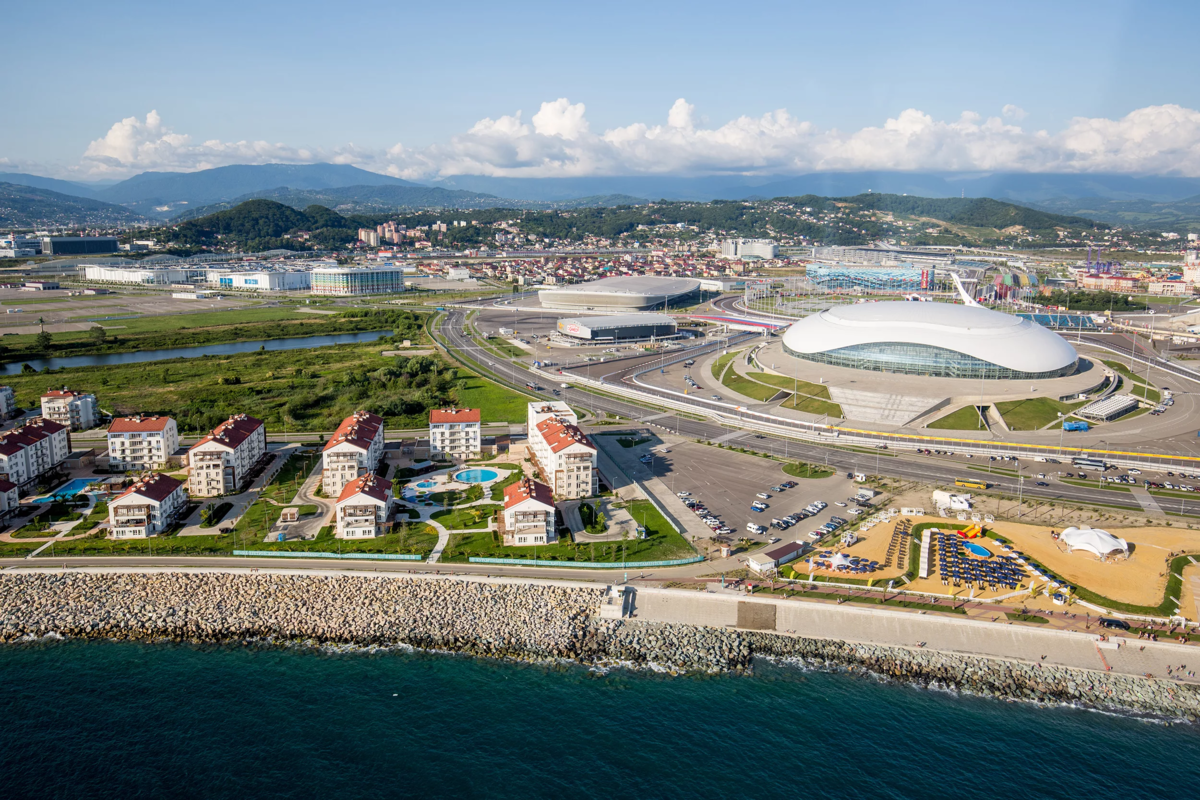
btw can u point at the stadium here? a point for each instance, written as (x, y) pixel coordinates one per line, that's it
(931, 339)
(625, 293)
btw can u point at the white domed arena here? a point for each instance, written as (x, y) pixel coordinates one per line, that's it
(932, 339)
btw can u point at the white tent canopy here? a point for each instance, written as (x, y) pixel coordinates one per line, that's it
(1094, 540)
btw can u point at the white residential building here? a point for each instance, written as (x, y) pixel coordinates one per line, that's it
(566, 457)
(76, 410)
(544, 409)
(528, 517)
(355, 448)
(10, 497)
(141, 443)
(33, 451)
(147, 508)
(222, 461)
(363, 507)
(749, 249)
(8, 402)
(455, 433)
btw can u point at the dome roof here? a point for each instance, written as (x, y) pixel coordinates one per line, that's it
(1012, 342)
(1094, 540)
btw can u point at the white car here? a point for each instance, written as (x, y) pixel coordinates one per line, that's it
(773, 539)
(840, 505)
(763, 496)
(683, 494)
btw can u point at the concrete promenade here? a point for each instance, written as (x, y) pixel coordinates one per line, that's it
(847, 623)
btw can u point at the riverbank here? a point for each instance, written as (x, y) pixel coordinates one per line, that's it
(514, 619)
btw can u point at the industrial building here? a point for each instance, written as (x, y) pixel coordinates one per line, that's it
(931, 339)
(749, 249)
(350, 281)
(147, 276)
(618, 327)
(78, 245)
(624, 293)
(260, 280)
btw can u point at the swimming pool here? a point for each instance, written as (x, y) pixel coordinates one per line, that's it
(476, 476)
(68, 490)
(976, 550)
(426, 484)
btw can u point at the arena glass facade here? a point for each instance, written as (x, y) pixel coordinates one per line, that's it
(918, 359)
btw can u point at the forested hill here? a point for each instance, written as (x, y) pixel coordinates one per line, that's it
(976, 212)
(33, 207)
(258, 225)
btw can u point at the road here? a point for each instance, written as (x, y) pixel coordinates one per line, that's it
(892, 463)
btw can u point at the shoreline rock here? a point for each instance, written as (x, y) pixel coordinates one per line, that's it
(526, 622)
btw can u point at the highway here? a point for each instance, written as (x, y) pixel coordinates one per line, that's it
(891, 463)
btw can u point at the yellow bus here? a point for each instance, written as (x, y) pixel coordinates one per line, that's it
(970, 483)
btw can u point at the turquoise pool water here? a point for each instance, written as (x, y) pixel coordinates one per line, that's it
(476, 476)
(426, 484)
(976, 550)
(69, 490)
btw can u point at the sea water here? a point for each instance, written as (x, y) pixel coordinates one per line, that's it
(120, 720)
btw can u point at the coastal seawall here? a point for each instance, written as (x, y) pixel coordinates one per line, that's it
(528, 621)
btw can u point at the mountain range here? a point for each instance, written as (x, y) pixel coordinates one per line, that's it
(1143, 201)
(33, 207)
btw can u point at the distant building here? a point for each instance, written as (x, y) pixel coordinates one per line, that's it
(455, 433)
(40, 286)
(147, 508)
(260, 281)
(78, 245)
(528, 517)
(368, 237)
(141, 443)
(458, 273)
(221, 462)
(351, 281)
(744, 249)
(13, 246)
(75, 410)
(566, 457)
(1109, 283)
(356, 447)
(146, 276)
(363, 506)
(618, 327)
(8, 402)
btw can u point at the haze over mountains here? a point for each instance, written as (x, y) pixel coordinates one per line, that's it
(1147, 201)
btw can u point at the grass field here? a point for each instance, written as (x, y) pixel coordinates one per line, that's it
(800, 469)
(965, 419)
(468, 517)
(495, 402)
(718, 367)
(783, 382)
(1034, 413)
(748, 388)
(1135, 384)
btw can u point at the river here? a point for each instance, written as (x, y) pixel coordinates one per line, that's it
(226, 349)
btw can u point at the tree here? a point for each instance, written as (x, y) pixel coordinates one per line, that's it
(43, 341)
(97, 335)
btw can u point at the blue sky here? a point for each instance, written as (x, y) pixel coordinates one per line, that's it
(352, 81)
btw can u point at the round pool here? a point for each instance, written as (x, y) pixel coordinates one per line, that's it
(476, 476)
(976, 550)
(426, 484)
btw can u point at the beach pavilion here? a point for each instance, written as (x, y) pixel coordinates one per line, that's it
(1101, 543)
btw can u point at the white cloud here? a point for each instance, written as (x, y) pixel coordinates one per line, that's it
(558, 142)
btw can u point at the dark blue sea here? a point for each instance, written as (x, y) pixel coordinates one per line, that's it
(115, 720)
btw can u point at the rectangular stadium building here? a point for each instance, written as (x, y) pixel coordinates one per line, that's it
(350, 281)
(618, 327)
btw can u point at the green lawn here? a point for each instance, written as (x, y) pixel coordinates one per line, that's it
(1137, 385)
(508, 480)
(718, 367)
(291, 476)
(812, 405)
(1034, 413)
(495, 402)
(791, 384)
(964, 419)
(629, 441)
(747, 387)
(467, 517)
(662, 543)
(218, 513)
(800, 469)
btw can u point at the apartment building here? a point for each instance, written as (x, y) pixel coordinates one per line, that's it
(528, 517)
(141, 443)
(147, 508)
(221, 462)
(363, 507)
(10, 498)
(32, 451)
(566, 457)
(76, 410)
(8, 402)
(545, 409)
(455, 433)
(356, 447)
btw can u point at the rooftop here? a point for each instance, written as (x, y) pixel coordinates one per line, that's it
(454, 415)
(139, 424)
(526, 489)
(156, 487)
(370, 485)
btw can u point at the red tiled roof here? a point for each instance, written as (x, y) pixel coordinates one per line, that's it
(46, 426)
(454, 415)
(156, 487)
(63, 393)
(6, 486)
(232, 432)
(560, 435)
(370, 484)
(138, 424)
(358, 429)
(525, 489)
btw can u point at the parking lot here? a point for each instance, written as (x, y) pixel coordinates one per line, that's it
(727, 482)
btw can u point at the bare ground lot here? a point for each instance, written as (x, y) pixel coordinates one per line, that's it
(64, 313)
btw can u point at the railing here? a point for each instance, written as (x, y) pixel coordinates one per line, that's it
(525, 562)
(300, 554)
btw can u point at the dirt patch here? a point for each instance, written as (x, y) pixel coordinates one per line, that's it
(756, 616)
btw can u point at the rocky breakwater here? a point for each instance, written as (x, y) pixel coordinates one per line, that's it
(503, 620)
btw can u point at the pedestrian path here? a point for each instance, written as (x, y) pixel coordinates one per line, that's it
(1146, 501)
